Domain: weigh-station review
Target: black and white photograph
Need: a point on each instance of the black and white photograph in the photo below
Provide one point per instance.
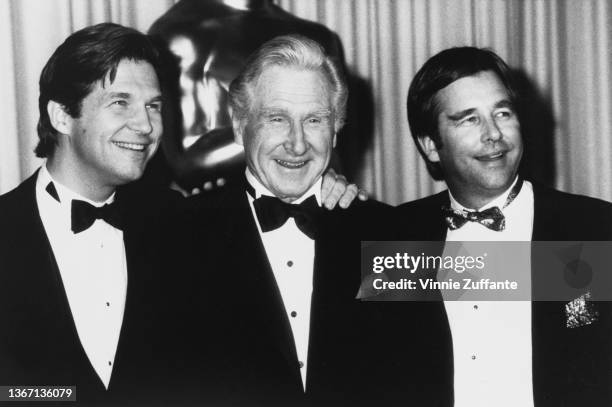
(306, 203)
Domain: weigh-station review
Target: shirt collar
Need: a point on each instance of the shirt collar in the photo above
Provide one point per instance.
(66, 195)
(500, 201)
(260, 190)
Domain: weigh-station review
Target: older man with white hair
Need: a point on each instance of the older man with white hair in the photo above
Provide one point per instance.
(293, 332)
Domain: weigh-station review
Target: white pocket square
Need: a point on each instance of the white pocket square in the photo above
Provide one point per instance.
(580, 312)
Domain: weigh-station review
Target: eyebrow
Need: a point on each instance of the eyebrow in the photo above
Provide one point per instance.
(273, 111)
(504, 103)
(119, 95)
(461, 114)
(126, 95)
(269, 111)
(323, 112)
(157, 98)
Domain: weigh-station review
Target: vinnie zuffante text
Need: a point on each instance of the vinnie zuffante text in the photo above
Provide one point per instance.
(444, 266)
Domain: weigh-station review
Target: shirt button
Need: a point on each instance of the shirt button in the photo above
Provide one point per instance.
(301, 364)
(293, 314)
(289, 263)
(475, 306)
(109, 363)
(108, 304)
(473, 357)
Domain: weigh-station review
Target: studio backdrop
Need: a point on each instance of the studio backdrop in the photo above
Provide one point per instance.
(559, 48)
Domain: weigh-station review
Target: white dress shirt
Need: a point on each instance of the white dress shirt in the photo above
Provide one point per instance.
(93, 268)
(291, 255)
(492, 339)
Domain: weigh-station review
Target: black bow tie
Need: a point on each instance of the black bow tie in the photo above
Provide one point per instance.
(85, 214)
(272, 213)
(492, 218)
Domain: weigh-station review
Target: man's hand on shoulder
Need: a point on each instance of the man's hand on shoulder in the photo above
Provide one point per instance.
(335, 190)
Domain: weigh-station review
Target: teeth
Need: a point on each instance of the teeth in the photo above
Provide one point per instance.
(130, 146)
(290, 164)
(491, 156)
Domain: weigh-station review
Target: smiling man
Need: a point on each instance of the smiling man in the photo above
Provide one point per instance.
(111, 134)
(290, 131)
(463, 115)
(72, 314)
(288, 272)
(479, 128)
(84, 297)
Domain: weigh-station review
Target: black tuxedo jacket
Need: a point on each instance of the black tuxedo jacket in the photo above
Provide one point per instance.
(39, 344)
(360, 353)
(571, 366)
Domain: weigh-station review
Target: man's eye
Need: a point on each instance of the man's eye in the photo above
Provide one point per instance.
(314, 120)
(276, 119)
(155, 106)
(469, 121)
(120, 102)
(504, 114)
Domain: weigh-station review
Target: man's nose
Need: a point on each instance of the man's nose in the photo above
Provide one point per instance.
(491, 131)
(140, 121)
(296, 142)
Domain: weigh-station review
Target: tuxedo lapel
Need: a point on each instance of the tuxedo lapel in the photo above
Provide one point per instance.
(134, 259)
(547, 318)
(427, 220)
(546, 219)
(317, 342)
(46, 326)
(244, 242)
(332, 305)
(42, 265)
(440, 227)
(142, 351)
(83, 371)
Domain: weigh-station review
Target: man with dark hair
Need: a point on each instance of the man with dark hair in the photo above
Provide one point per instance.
(290, 271)
(423, 105)
(462, 111)
(83, 297)
(72, 314)
(87, 57)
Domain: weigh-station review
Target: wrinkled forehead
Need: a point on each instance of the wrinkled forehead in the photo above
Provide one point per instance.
(280, 85)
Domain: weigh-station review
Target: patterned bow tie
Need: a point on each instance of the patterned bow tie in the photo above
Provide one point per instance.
(492, 218)
(272, 213)
(85, 214)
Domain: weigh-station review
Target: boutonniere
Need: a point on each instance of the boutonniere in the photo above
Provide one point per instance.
(580, 312)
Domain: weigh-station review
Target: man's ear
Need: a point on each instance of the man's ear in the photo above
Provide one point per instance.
(238, 128)
(430, 149)
(60, 119)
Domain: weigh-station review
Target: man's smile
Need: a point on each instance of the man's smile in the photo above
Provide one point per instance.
(131, 146)
(291, 164)
(494, 156)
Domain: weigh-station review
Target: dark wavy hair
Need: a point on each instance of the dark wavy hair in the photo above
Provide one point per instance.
(85, 58)
(437, 73)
